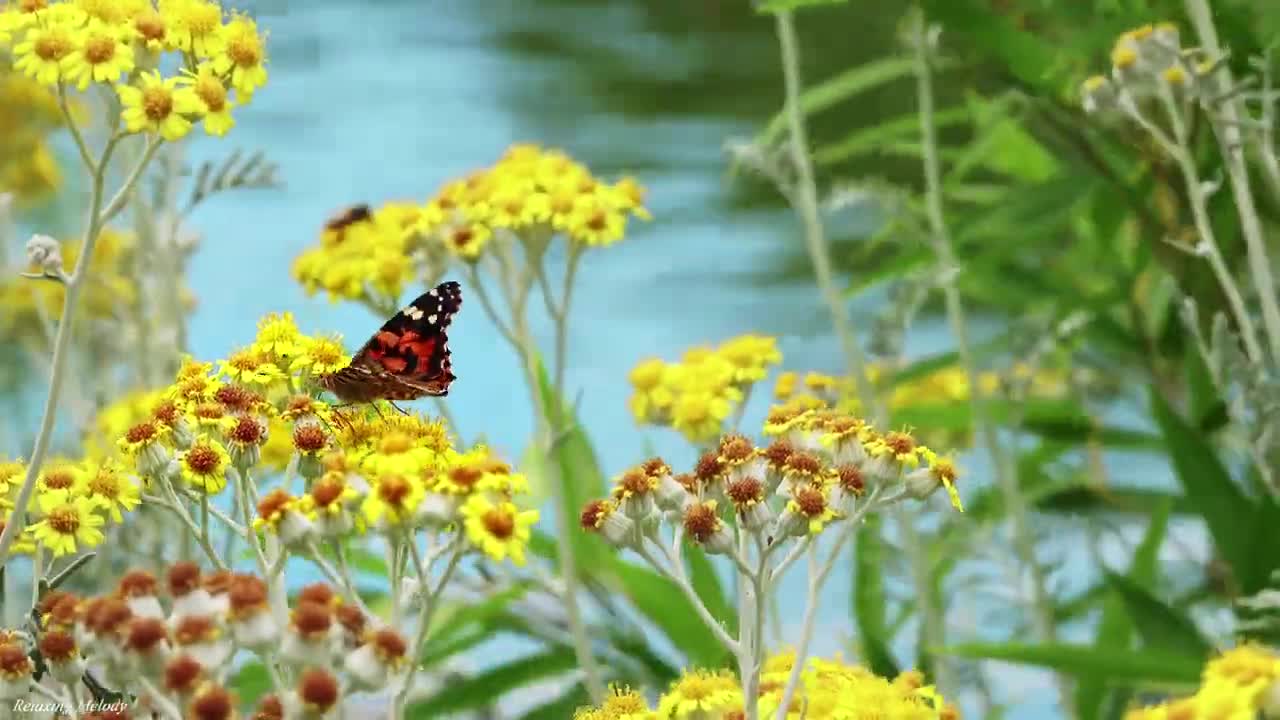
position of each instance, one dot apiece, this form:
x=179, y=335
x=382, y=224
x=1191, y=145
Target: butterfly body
x=408, y=358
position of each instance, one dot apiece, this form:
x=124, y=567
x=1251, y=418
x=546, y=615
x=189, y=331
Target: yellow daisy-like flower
x=466, y=240
x=700, y=694
x=204, y=465
x=622, y=703
x=628, y=195
x=142, y=436
x=700, y=416
x=151, y=30
x=499, y=530
x=61, y=475
x=102, y=55
x=69, y=522
x=321, y=356
x=751, y=356
x=111, y=12
x=243, y=56
x=278, y=335
x=196, y=26
x=204, y=90
x=392, y=500
x=108, y=482
x=156, y=105
x=594, y=222
x=24, y=543
x=42, y=53
x=652, y=395
x=12, y=473
x=251, y=366
x=398, y=452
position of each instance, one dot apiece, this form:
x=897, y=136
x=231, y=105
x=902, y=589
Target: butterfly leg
x=397, y=407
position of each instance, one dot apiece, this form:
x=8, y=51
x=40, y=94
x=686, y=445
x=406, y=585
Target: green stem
x=1004, y=467
x=1232, y=146
x=98, y=216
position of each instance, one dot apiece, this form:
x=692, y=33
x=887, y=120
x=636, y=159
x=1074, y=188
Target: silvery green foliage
x=1261, y=611
x=1251, y=390
x=236, y=172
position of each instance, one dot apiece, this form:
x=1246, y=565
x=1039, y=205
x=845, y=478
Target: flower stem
x=1231, y=145
x=62, y=343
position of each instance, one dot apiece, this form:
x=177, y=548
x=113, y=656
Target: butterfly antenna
x=402, y=410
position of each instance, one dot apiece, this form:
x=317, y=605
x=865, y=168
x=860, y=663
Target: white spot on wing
x=413, y=312
x=431, y=319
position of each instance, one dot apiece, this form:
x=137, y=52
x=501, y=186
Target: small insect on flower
x=409, y=356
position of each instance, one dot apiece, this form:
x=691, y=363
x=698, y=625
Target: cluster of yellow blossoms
x=1240, y=683
x=828, y=690
x=696, y=395
x=1146, y=59
x=255, y=411
x=28, y=115
x=27, y=308
x=531, y=193
x=74, y=500
x=120, y=43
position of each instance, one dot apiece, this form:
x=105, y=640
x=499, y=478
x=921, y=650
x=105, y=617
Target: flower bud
x=62, y=656
x=373, y=664
x=15, y=671
x=703, y=525
x=1097, y=94
x=45, y=253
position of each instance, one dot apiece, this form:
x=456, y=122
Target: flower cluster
x=28, y=115
x=698, y=394
x=74, y=500
x=256, y=413
x=531, y=194
x=1146, y=62
x=828, y=690
x=1240, y=683
x=121, y=43
x=176, y=661
x=822, y=467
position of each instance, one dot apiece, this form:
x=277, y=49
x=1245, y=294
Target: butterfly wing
x=413, y=346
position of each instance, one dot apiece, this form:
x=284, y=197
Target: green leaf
x=1085, y=499
x=662, y=603
x=705, y=581
x=561, y=707
x=844, y=86
x=1118, y=664
x=1115, y=629
x=775, y=6
x=1025, y=55
x=576, y=470
x=250, y=682
x=1053, y=419
x=484, y=688
x=458, y=618
x=1227, y=513
x=870, y=599
x=1162, y=628
x=874, y=139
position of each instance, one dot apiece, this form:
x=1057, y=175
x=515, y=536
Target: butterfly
x=408, y=358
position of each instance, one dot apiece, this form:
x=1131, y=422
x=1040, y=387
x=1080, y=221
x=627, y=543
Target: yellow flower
x=251, y=366
x=398, y=452
x=499, y=530
x=108, y=482
x=157, y=106
x=594, y=222
x=111, y=12
x=700, y=416
x=42, y=53
x=102, y=55
x=392, y=500
x=751, y=356
x=320, y=356
x=278, y=337
x=196, y=26
x=152, y=30
x=69, y=522
x=622, y=703
x=243, y=56
x=204, y=90
x=467, y=240
x=700, y=694
x=61, y=475
x=12, y=473
x=24, y=543
x=652, y=396
x=204, y=465
x=629, y=195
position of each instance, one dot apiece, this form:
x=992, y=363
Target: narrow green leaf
x=840, y=88
x=873, y=140
x=664, y=605
x=561, y=707
x=576, y=469
x=458, y=618
x=1226, y=511
x=1089, y=500
x=1163, y=629
x=706, y=582
x=1118, y=664
x=774, y=6
x=484, y=688
x=870, y=599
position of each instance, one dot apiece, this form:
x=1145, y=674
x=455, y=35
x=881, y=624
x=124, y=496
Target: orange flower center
x=59, y=480
x=811, y=501
x=900, y=443
x=99, y=49
x=700, y=522
x=105, y=483
x=150, y=25
x=327, y=492
x=157, y=103
x=203, y=460
x=211, y=91
x=65, y=520
x=203, y=19
x=52, y=46
x=245, y=50
x=499, y=523
x=393, y=489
